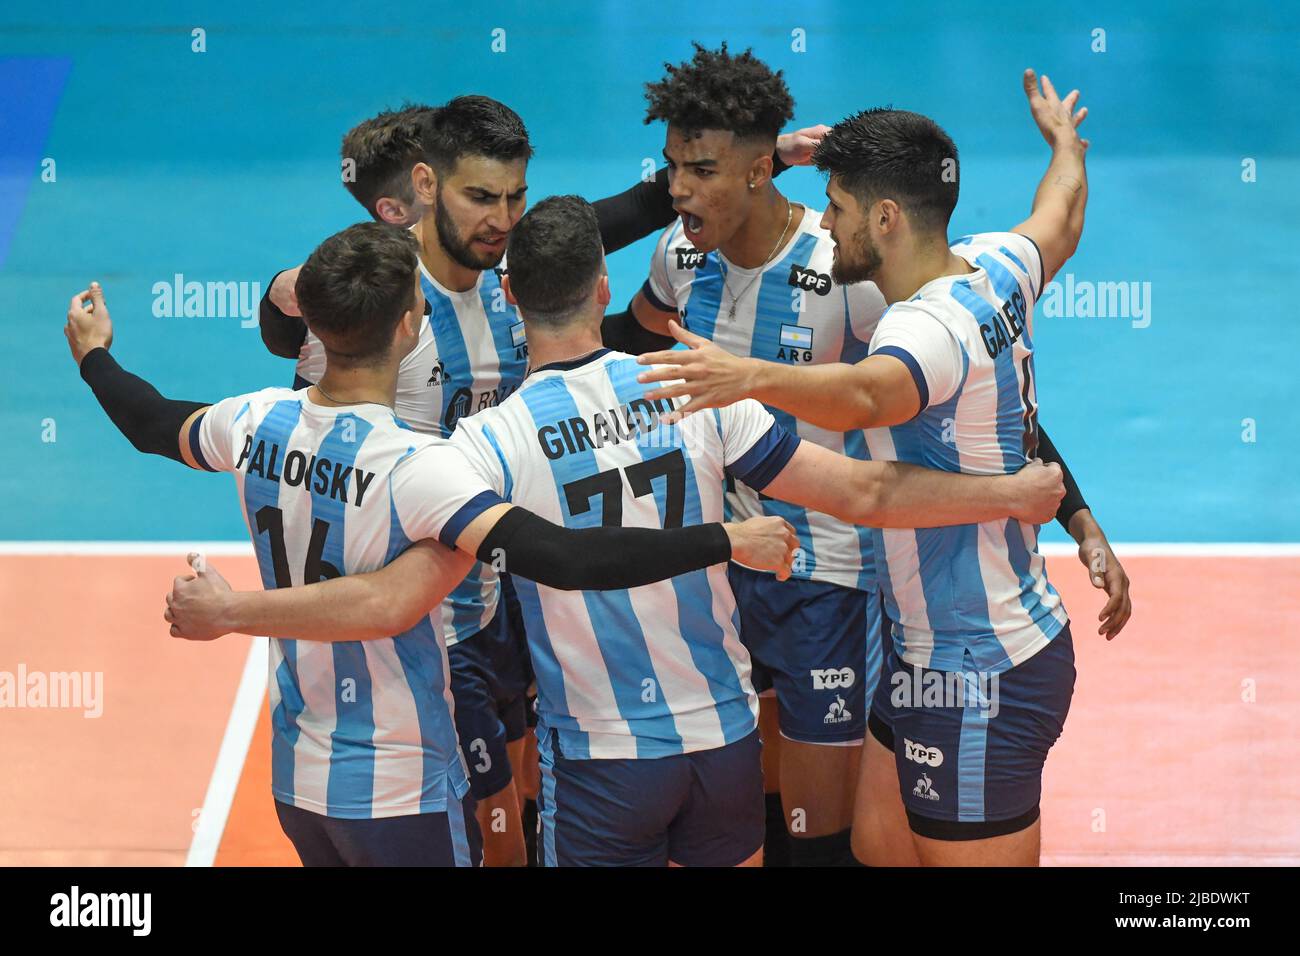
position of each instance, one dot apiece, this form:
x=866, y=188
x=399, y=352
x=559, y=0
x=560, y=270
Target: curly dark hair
x=716, y=90
x=885, y=153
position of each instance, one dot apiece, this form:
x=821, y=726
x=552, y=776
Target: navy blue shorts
x=489, y=682
x=817, y=645
x=703, y=808
x=970, y=746
x=450, y=838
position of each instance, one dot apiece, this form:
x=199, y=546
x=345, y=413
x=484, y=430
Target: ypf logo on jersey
x=810, y=280
x=920, y=753
x=830, y=678
x=689, y=257
x=796, y=343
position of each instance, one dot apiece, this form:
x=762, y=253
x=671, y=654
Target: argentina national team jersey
x=792, y=313
x=360, y=729
x=980, y=589
x=470, y=356
x=655, y=670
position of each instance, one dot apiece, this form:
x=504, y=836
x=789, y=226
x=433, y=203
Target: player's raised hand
x=1039, y=490
x=796, y=149
x=765, y=544
x=197, y=603
x=712, y=377
x=88, y=326
x=1056, y=118
x=283, y=291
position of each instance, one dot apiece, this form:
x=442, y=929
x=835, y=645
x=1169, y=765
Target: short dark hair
x=893, y=154
x=356, y=286
x=716, y=90
x=383, y=149
x=555, y=258
x=473, y=126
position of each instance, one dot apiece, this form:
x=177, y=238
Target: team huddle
x=746, y=574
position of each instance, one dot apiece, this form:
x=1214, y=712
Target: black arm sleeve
x=282, y=334
x=622, y=332
x=150, y=422
x=600, y=559
x=1073, y=500
x=637, y=212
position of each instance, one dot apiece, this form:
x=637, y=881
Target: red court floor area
x=1180, y=747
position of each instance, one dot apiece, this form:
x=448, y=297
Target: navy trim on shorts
x=955, y=830
x=881, y=730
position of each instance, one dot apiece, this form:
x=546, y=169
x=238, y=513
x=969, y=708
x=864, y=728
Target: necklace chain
x=726, y=280
x=337, y=402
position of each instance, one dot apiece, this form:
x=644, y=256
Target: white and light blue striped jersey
x=471, y=354
x=794, y=313
x=655, y=670
x=968, y=342
x=360, y=729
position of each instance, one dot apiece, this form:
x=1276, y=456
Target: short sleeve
x=1012, y=251
x=865, y=306
x=479, y=442
x=436, y=492
x=311, y=359
x=1024, y=252
x=921, y=342
x=755, y=447
x=212, y=434
x=658, y=288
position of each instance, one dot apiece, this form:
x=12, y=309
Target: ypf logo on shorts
x=830, y=678
x=920, y=753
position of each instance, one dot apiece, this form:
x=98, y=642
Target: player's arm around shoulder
x=359, y=607
x=890, y=494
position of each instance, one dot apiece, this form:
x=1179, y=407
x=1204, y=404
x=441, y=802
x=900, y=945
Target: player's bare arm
x=1056, y=221
x=368, y=606
x=202, y=606
x=895, y=495
x=876, y=392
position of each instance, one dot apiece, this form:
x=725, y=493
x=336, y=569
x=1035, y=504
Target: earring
x=751, y=185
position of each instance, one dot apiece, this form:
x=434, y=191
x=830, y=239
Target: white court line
x=223, y=549
x=230, y=758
